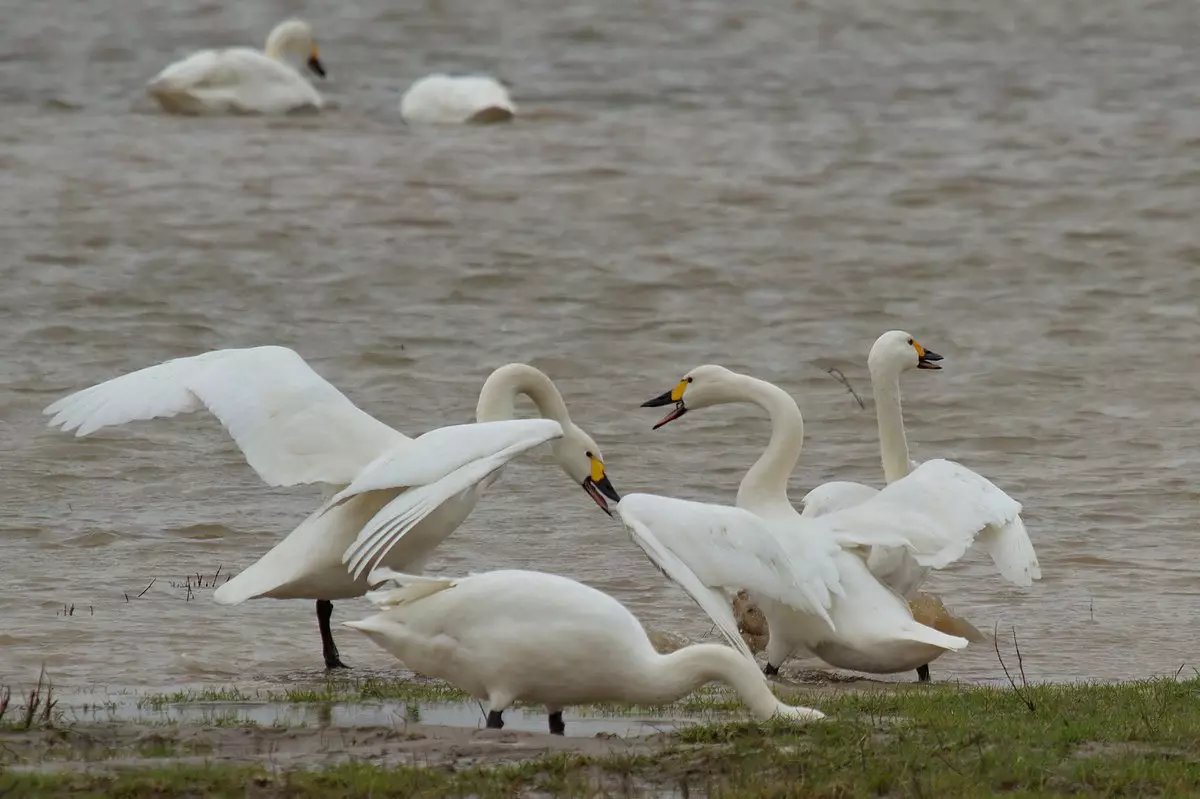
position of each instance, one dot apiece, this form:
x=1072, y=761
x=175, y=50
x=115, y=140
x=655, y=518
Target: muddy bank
x=87, y=747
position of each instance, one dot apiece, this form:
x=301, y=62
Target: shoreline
x=897, y=739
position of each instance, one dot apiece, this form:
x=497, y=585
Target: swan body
x=933, y=514
x=242, y=80
x=454, y=100
x=522, y=636
x=1009, y=545
x=294, y=427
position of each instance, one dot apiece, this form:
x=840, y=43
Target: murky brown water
x=769, y=189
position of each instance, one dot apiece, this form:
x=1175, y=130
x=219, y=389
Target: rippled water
x=768, y=188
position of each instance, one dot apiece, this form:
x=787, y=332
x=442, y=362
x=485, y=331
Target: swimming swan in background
x=935, y=513
x=242, y=80
x=1009, y=546
x=454, y=100
x=522, y=636
x=294, y=427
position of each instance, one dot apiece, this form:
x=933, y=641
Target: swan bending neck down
x=522, y=636
x=441, y=99
x=241, y=80
x=396, y=498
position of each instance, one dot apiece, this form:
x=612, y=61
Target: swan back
x=454, y=100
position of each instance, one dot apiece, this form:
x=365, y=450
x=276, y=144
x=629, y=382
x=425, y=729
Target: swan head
x=581, y=459
x=700, y=388
x=294, y=37
x=896, y=351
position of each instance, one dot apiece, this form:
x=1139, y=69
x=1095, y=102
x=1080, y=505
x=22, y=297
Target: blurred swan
x=294, y=427
x=440, y=99
x=242, y=80
x=522, y=636
x=935, y=513
x=1011, y=550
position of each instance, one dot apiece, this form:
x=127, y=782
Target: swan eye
x=589, y=454
x=689, y=379
x=910, y=341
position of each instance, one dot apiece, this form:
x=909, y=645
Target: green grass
x=371, y=689
x=1131, y=739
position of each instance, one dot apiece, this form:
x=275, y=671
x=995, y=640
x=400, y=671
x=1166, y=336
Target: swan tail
x=927, y=635
x=254, y=581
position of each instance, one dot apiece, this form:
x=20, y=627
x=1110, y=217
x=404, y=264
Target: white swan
x=935, y=513
x=242, y=80
x=893, y=353
x=456, y=99
x=522, y=636
x=294, y=427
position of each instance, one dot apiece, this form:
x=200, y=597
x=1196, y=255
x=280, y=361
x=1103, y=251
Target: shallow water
x=768, y=188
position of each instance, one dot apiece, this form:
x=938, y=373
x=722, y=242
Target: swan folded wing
x=412, y=587
x=710, y=598
x=937, y=512
x=834, y=496
x=430, y=470
x=292, y=425
x=731, y=548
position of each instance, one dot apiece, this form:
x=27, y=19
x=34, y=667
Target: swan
x=242, y=80
x=870, y=627
x=440, y=99
x=892, y=354
x=523, y=636
x=294, y=427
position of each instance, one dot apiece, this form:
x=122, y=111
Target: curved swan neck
x=498, y=397
x=889, y=415
x=679, y=673
x=765, y=485
x=281, y=37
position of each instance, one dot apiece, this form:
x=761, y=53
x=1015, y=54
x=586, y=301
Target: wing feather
x=432, y=469
x=292, y=425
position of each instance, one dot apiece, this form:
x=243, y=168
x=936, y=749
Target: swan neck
x=498, y=397
x=278, y=40
x=889, y=415
x=764, y=487
x=683, y=671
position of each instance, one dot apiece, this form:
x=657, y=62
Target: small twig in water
x=1023, y=691
x=837, y=375
x=147, y=588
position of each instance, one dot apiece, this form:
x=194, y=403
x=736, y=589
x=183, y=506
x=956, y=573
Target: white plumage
x=397, y=497
x=454, y=100
x=522, y=636
x=242, y=80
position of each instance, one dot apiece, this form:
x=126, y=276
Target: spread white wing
x=292, y=425
x=937, y=512
x=707, y=548
x=432, y=469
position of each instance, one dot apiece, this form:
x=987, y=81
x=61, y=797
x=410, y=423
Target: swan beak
x=675, y=395
x=314, y=62
x=926, y=358
x=599, y=488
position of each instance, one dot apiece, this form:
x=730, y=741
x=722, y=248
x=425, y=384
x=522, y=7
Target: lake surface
x=767, y=187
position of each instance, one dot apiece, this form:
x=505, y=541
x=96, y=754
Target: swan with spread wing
x=396, y=497
x=892, y=354
x=935, y=514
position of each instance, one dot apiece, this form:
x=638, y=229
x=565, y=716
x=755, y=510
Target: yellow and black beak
x=314, y=61
x=599, y=488
x=926, y=358
x=675, y=395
